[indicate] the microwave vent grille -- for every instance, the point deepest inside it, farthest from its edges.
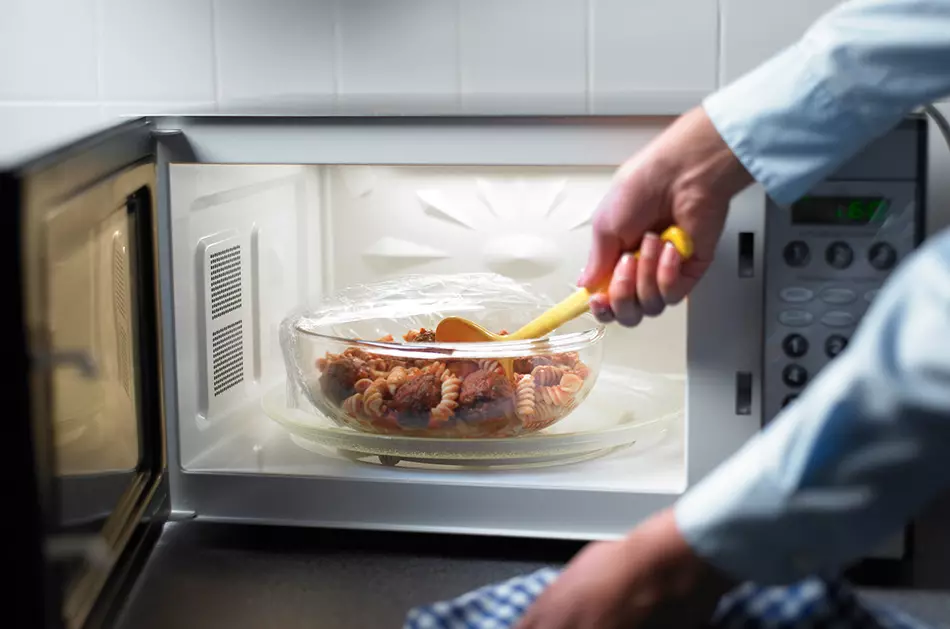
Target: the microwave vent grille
(226, 293)
(120, 301)
(227, 357)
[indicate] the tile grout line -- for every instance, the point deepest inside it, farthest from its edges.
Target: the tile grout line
(336, 54)
(719, 44)
(589, 47)
(100, 17)
(459, 85)
(215, 57)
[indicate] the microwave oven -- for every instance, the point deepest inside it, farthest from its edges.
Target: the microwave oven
(150, 267)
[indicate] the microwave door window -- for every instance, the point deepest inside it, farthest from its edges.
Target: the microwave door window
(95, 428)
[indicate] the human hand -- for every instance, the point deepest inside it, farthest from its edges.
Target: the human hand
(649, 579)
(686, 177)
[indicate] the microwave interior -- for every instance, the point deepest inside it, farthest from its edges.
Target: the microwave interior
(161, 257)
(264, 216)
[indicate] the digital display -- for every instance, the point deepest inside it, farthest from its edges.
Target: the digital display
(839, 210)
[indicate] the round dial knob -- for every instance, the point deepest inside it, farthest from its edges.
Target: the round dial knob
(839, 255)
(882, 256)
(795, 345)
(795, 376)
(835, 344)
(796, 253)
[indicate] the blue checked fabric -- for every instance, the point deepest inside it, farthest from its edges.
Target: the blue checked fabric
(811, 604)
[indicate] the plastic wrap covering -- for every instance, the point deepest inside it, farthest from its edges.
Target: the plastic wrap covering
(366, 358)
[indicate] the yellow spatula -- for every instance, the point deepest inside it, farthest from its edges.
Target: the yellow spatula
(459, 330)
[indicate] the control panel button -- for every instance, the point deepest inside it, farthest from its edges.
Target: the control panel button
(835, 344)
(796, 253)
(839, 255)
(882, 256)
(837, 319)
(795, 346)
(796, 294)
(870, 295)
(794, 376)
(838, 296)
(795, 318)
(789, 399)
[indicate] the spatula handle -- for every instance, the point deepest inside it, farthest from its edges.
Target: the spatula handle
(578, 303)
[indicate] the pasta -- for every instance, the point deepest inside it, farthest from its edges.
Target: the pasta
(373, 400)
(353, 405)
(571, 382)
(554, 395)
(451, 385)
(546, 375)
(396, 377)
(544, 416)
(489, 364)
(524, 399)
(454, 397)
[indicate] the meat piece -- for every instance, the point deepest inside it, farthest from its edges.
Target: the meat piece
(339, 380)
(425, 336)
(484, 386)
(422, 336)
(417, 396)
(526, 365)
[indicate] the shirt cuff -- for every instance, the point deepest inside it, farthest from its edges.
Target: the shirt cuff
(781, 124)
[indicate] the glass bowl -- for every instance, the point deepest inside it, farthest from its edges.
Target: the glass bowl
(387, 375)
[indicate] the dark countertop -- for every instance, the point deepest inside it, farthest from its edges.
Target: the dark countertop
(244, 577)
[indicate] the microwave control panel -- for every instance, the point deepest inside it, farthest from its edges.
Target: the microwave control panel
(827, 256)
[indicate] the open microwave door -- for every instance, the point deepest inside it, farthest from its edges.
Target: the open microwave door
(84, 402)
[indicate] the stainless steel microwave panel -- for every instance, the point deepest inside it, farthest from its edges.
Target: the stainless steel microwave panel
(167, 234)
(271, 202)
(287, 203)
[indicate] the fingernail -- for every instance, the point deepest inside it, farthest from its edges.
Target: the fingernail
(582, 277)
(650, 246)
(626, 268)
(670, 256)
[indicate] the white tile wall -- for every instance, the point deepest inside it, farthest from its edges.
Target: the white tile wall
(652, 56)
(519, 55)
(157, 51)
(754, 30)
(48, 50)
(67, 63)
(29, 127)
(397, 54)
(273, 49)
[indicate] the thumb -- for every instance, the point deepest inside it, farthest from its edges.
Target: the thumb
(615, 222)
(604, 254)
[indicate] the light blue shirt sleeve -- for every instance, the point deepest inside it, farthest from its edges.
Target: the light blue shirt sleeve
(862, 449)
(868, 443)
(852, 76)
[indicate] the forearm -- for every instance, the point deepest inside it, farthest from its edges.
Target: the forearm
(862, 450)
(853, 75)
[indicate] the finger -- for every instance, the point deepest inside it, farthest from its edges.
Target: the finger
(604, 252)
(600, 308)
(670, 282)
(651, 302)
(623, 292)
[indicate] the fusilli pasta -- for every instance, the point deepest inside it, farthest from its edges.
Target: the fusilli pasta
(373, 398)
(453, 397)
(451, 385)
(524, 399)
(353, 405)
